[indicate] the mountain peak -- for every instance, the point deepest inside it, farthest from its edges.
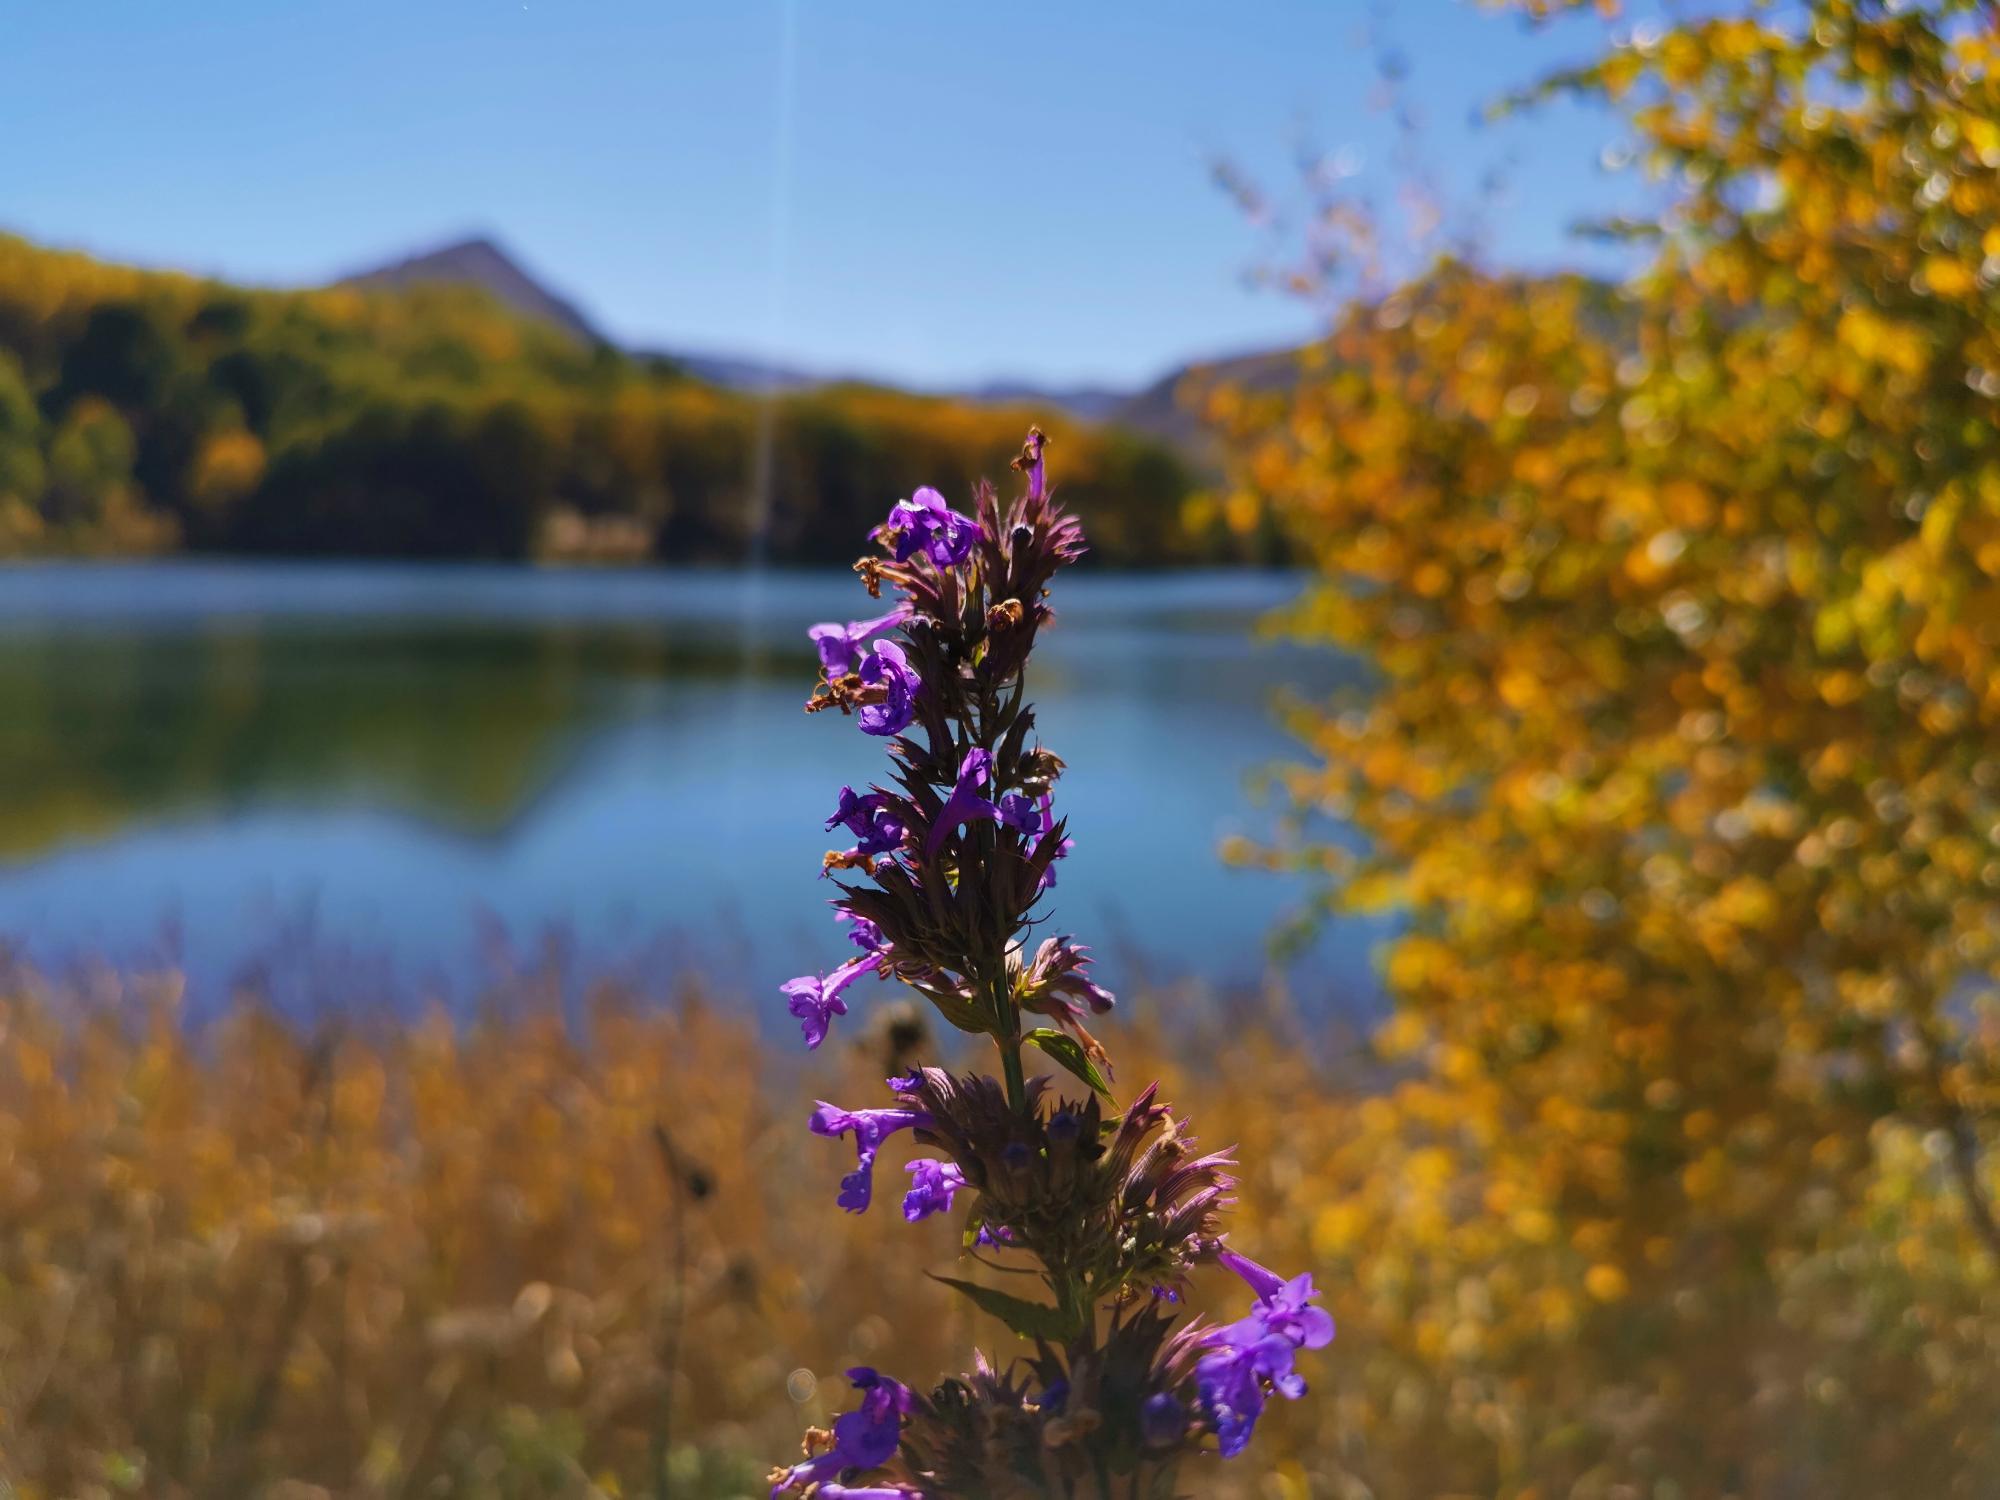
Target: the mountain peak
(480, 261)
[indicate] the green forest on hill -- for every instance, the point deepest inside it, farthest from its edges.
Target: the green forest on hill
(146, 411)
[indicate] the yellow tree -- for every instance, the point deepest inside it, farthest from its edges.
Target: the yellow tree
(1684, 762)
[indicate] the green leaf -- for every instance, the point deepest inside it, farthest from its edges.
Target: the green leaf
(1032, 1320)
(1068, 1051)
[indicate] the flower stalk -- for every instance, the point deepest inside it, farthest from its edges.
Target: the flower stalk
(1010, 1063)
(954, 855)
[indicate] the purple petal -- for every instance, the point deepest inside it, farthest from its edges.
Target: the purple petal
(1265, 1282)
(933, 1185)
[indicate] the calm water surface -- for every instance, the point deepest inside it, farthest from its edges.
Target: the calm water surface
(349, 783)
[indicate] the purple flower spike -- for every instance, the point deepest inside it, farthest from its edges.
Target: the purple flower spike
(871, 1128)
(889, 668)
(865, 1438)
(815, 998)
(939, 892)
(839, 646)
(964, 805)
(932, 1187)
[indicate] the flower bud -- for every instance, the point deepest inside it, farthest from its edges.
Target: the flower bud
(1162, 1420)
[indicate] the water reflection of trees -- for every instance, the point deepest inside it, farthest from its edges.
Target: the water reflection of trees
(460, 725)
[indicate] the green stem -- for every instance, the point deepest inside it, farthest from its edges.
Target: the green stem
(1017, 1084)
(1007, 1036)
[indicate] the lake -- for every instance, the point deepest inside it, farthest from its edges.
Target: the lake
(362, 784)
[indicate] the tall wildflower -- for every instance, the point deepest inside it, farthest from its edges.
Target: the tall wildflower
(952, 857)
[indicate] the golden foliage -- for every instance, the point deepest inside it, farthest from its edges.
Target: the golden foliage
(1683, 760)
(448, 1260)
(402, 1262)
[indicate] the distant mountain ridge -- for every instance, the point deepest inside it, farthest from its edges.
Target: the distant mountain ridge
(1158, 410)
(1094, 403)
(480, 262)
(1164, 409)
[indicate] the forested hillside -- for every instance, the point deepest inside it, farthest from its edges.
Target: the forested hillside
(149, 411)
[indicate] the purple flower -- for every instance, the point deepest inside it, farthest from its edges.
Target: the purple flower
(1074, 984)
(1162, 1420)
(910, 523)
(1261, 1279)
(1018, 812)
(871, 819)
(1058, 981)
(865, 1438)
(1229, 1384)
(863, 933)
(924, 522)
(815, 998)
(952, 540)
(888, 668)
(1243, 1356)
(839, 646)
(1284, 1306)
(1031, 458)
(964, 805)
(871, 1128)
(932, 1187)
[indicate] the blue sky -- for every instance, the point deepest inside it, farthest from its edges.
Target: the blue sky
(931, 192)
